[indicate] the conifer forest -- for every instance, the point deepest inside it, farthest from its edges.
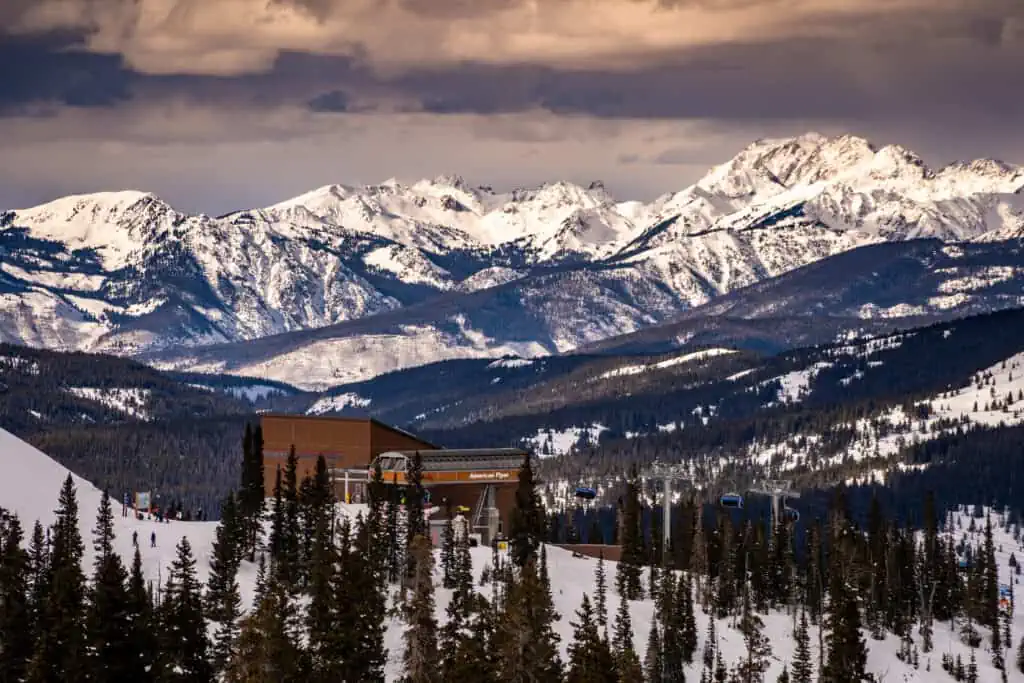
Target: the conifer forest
(329, 583)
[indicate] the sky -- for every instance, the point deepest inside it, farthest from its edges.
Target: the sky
(217, 105)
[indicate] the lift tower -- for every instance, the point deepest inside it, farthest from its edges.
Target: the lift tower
(667, 474)
(779, 490)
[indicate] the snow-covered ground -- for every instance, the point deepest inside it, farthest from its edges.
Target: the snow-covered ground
(627, 370)
(551, 442)
(32, 481)
(994, 396)
(130, 401)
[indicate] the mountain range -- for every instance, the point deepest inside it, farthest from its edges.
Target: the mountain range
(344, 283)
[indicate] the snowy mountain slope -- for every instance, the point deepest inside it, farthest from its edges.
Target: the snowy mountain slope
(902, 283)
(571, 577)
(872, 289)
(125, 272)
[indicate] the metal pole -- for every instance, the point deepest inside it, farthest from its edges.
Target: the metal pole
(666, 519)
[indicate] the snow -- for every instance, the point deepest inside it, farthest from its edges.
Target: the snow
(300, 264)
(552, 442)
(510, 363)
(330, 404)
(33, 481)
(795, 384)
(130, 401)
(662, 365)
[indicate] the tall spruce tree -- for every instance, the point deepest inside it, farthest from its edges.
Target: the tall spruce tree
(38, 569)
(15, 611)
(590, 659)
(803, 667)
(627, 662)
(601, 595)
(328, 643)
(60, 653)
(111, 646)
(368, 581)
(268, 648)
(184, 646)
(527, 641)
(628, 576)
(753, 667)
(654, 657)
(415, 516)
(141, 619)
(421, 659)
(223, 600)
(526, 521)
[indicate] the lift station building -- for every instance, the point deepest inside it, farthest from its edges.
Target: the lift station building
(481, 479)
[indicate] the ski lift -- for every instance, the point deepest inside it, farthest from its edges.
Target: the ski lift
(791, 515)
(731, 501)
(586, 493)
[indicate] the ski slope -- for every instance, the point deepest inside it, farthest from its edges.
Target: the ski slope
(33, 480)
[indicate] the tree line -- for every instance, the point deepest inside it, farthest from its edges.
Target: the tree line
(329, 585)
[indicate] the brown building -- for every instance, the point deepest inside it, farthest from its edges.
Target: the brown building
(347, 444)
(480, 480)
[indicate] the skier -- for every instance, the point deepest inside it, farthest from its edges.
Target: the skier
(135, 538)
(152, 540)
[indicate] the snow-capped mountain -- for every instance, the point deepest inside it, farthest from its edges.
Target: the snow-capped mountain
(125, 272)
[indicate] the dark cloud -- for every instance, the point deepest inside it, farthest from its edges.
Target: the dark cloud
(49, 69)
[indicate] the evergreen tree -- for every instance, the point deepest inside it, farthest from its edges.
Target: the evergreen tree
(752, 669)
(601, 596)
(590, 660)
(784, 676)
(111, 646)
(60, 653)
(527, 641)
(328, 641)
(224, 603)
(368, 581)
(803, 667)
(15, 610)
(250, 499)
(38, 570)
(421, 659)
(654, 659)
(847, 653)
(627, 662)
(267, 648)
(629, 571)
(288, 566)
(184, 646)
(458, 642)
(526, 521)
(415, 516)
(448, 550)
(276, 542)
(687, 620)
(1020, 656)
(141, 618)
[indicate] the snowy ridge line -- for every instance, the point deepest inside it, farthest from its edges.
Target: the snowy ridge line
(340, 254)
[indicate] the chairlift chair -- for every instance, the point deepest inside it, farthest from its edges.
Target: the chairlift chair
(791, 514)
(586, 493)
(732, 501)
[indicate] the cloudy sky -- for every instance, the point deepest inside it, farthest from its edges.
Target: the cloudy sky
(222, 104)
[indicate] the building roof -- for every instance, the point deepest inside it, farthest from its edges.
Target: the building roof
(456, 459)
(349, 418)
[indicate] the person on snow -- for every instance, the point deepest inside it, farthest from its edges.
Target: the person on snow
(135, 538)
(152, 540)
